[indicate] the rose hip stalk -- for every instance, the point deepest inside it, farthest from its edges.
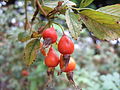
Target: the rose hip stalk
(68, 69)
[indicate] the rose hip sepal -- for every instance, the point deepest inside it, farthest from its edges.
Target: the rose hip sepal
(68, 69)
(70, 66)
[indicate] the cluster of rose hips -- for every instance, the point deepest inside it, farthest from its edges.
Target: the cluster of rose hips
(65, 47)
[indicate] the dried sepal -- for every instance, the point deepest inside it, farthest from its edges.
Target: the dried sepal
(50, 74)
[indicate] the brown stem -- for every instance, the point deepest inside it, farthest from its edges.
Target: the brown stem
(26, 19)
(40, 7)
(35, 14)
(41, 29)
(56, 9)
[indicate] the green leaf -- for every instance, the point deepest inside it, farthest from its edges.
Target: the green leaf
(73, 24)
(24, 36)
(85, 3)
(30, 51)
(51, 3)
(47, 9)
(104, 26)
(111, 9)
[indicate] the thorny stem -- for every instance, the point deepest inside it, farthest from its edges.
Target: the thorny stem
(40, 7)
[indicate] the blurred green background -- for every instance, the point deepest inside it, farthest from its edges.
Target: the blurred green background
(98, 62)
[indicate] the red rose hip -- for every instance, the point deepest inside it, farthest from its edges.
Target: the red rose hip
(51, 60)
(65, 45)
(51, 34)
(70, 67)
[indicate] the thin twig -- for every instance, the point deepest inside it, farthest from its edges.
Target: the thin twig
(40, 7)
(26, 9)
(35, 14)
(26, 18)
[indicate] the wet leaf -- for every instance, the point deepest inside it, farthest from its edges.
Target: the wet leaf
(104, 26)
(73, 23)
(30, 51)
